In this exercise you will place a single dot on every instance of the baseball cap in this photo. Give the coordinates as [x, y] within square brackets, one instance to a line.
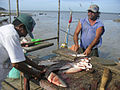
[29, 23]
[94, 8]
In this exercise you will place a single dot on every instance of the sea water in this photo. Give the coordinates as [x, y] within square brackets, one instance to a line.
[47, 26]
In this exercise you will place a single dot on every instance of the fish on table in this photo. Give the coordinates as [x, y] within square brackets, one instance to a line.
[47, 86]
[70, 67]
[47, 63]
[78, 55]
[55, 79]
[83, 64]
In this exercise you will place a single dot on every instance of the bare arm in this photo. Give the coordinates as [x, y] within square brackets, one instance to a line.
[23, 67]
[95, 41]
[76, 33]
[33, 64]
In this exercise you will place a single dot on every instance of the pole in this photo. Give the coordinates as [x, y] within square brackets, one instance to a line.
[58, 23]
[9, 12]
[17, 8]
[68, 29]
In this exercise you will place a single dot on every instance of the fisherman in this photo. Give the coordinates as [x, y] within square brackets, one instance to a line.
[91, 29]
[10, 47]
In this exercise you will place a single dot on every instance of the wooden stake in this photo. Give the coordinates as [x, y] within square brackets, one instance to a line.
[105, 78]
[58, 23]
[17, 8]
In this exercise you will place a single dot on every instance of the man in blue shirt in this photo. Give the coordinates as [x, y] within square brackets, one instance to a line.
[91, 29]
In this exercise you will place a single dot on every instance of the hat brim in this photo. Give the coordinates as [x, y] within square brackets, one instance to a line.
[92, 10]
[30, 33]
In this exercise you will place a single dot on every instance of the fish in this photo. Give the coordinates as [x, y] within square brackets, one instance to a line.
[72, 70]
[47, 86]
[78, 55]
[48, 63]
[84, 64]
[71, 67]
[55, 79]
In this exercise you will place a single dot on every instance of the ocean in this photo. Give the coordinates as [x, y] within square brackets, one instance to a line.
[46, 27]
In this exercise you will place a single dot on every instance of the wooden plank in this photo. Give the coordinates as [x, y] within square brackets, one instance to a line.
[15, 84]
[103, 61]
[65, 52]
[6, 85]
[32, 43]
[39, 46]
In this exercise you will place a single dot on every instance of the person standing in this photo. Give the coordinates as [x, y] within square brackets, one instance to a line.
[10, 47]
[91, 29]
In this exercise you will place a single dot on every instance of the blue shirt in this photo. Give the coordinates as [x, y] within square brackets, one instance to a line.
[88, 33]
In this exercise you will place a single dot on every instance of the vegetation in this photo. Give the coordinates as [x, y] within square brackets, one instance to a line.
[116, 20]
[2, 9]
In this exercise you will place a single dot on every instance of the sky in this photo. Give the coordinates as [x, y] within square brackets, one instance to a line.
[65, 5]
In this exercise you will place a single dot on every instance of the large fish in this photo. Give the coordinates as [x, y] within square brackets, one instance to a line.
[71, 67]
[84, 64]
[55, 79]
[47, 86]
[50, 75]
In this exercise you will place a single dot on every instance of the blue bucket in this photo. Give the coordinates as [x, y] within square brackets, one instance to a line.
[14, 73]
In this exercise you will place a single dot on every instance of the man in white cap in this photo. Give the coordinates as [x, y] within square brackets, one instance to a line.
[91, 29]
[10, 47]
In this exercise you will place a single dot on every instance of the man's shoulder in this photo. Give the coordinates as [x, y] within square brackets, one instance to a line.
[85, 18]
[7, 25]
[82, 20]
[6, 28]
[99, 22]
[8, 31]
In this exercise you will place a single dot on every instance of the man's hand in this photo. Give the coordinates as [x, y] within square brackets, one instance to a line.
[23, 42]
[74, 48]
[24, 45]
[40, 74]
[87, 51]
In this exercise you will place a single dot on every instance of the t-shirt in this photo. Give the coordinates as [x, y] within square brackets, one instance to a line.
[9, 47]
[88, 33]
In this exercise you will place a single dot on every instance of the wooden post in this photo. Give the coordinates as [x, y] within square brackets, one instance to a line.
[26, 84]
[58, 23]
[17, 8]
[9, 12]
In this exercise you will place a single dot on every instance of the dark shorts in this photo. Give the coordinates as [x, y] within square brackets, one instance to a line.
[94, 52]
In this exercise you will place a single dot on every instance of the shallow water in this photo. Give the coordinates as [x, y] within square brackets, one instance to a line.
[46, 27]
